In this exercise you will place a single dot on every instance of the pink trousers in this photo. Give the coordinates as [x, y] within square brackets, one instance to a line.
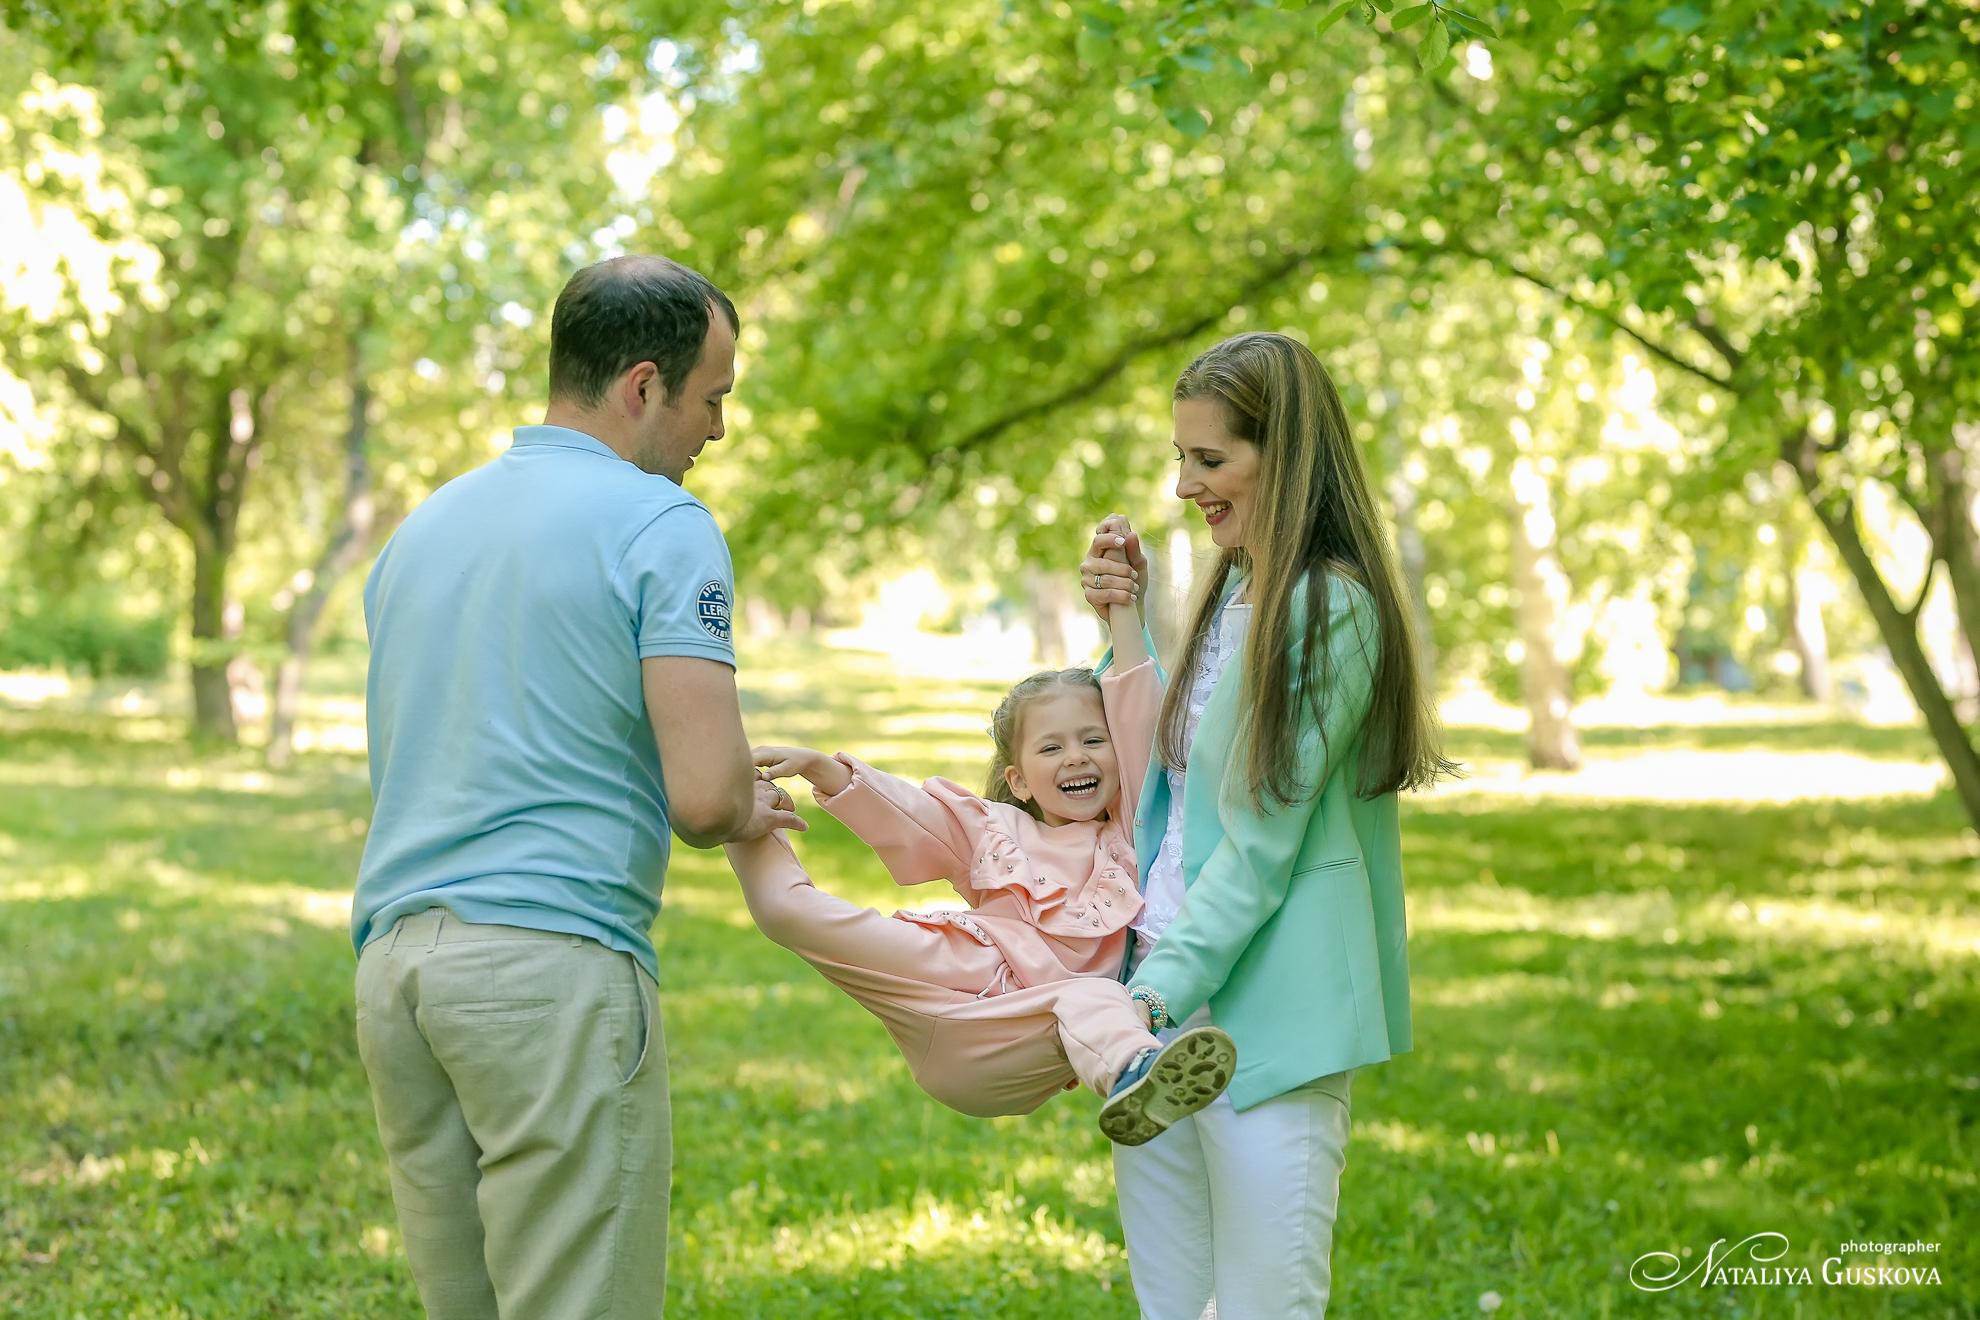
[983, 1055]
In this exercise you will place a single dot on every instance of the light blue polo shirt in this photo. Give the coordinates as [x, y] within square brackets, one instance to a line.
[514, 775]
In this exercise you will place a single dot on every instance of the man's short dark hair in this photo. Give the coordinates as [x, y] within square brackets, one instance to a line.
[616, 314]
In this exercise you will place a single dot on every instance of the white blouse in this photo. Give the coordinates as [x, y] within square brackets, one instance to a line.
[1162, 897]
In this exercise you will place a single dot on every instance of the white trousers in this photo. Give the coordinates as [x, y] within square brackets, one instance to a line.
[1231, 1214]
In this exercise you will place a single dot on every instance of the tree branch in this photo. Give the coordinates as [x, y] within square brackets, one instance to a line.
[1924, 588]
[1508, 266]
[1105, 373]
[1708, 330]
[86, 387]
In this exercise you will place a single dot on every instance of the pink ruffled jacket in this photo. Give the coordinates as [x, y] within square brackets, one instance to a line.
[1054, 900]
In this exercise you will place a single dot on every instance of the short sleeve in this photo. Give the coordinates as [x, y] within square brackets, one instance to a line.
[677, 582]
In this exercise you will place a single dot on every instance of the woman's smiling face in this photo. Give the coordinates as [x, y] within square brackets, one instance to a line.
[1218, 469]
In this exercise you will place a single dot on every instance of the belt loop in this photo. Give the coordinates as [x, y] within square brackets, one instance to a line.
[439, 923]
[576, 940]
[397, 926]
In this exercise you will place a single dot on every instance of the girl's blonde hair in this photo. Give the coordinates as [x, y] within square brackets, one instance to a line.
[1313, 514]
[1010, 714]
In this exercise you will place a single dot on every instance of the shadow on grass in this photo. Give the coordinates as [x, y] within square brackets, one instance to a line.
[1610, 1061]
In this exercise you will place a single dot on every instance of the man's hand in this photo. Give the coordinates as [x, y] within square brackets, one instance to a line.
[1115, 568]
[771, 809]
[825, 773]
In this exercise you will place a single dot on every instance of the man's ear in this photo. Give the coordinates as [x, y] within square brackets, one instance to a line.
[643, 389]
[1015, 782]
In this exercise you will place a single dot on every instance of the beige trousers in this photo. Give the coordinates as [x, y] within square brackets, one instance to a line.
[980, 1053]
[520, 1082]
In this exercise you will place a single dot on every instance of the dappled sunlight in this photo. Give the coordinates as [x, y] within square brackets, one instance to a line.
[708, 904]
[1838, 925]
[902, 726]
[1571, 952]
[1733, 776]
[1474, 909]
[925, 1232]
[1396, 1136]
[1655, 917]
[90, 1170]
[27, 688]
[1476, 991]
[1087, 1181]
[275, 902]
[752, 995]
[191, 776]
[810, 1086]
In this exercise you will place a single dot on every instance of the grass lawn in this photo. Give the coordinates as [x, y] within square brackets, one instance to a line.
[1641, 1024]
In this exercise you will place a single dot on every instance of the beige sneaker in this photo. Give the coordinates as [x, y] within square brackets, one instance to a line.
[1163, 1085]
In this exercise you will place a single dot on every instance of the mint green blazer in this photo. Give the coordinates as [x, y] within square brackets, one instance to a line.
[1292, 930]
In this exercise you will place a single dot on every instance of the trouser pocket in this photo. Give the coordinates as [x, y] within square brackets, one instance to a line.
[645, 1009]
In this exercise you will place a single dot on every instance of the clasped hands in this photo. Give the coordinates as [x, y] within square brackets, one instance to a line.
[1115, 569]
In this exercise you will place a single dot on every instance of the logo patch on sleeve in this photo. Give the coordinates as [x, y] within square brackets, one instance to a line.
[712, 610]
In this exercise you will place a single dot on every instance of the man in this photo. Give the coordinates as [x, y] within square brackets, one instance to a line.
[552, 689]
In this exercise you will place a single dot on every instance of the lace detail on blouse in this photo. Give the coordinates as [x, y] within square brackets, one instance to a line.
[1162, 898]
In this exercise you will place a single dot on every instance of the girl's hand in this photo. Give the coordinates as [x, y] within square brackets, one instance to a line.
[825, 773]
[1115, 568]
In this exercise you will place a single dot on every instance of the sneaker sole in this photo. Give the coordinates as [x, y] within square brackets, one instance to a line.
[1191, 1072]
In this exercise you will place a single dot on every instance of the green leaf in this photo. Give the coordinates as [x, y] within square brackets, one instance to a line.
[1384, 5]
[1682, 18]
[1435, 49]
[1188, 121]
[1334, 15]
[1410, 17]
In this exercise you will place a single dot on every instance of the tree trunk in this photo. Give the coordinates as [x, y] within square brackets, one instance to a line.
[212, 690]
[1808, 635]
[357, 522]
[1172, 573]
[1542, 589]
[1051, 608]
[1958, 526]
[1968, 704]
[1409, 547]
[1836, 512]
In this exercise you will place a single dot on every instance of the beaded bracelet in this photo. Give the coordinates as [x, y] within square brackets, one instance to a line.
[1158, 1008]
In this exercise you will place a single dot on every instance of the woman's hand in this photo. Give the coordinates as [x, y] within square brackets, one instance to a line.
[1115, 568]
[827, 774]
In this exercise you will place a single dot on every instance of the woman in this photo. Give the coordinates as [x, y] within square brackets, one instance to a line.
[1292, 719]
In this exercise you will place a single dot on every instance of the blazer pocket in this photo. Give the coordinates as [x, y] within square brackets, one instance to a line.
[1338, 863]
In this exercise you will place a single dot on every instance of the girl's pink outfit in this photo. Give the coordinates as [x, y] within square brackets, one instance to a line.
[998, 1007]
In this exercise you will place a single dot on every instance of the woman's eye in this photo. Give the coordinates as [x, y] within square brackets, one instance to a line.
[1213, 462]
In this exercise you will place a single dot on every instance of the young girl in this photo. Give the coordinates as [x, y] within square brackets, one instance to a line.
[1292, 719]
[999, 1007]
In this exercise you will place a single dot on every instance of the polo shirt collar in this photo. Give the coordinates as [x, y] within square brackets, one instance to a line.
[563, 437]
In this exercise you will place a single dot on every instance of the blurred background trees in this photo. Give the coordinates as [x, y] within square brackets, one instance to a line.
[1651, 315]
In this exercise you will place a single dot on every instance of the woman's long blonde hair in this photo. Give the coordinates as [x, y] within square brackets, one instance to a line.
[1313, 514]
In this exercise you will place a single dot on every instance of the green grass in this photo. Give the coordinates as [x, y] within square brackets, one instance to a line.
[1639, 1026]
